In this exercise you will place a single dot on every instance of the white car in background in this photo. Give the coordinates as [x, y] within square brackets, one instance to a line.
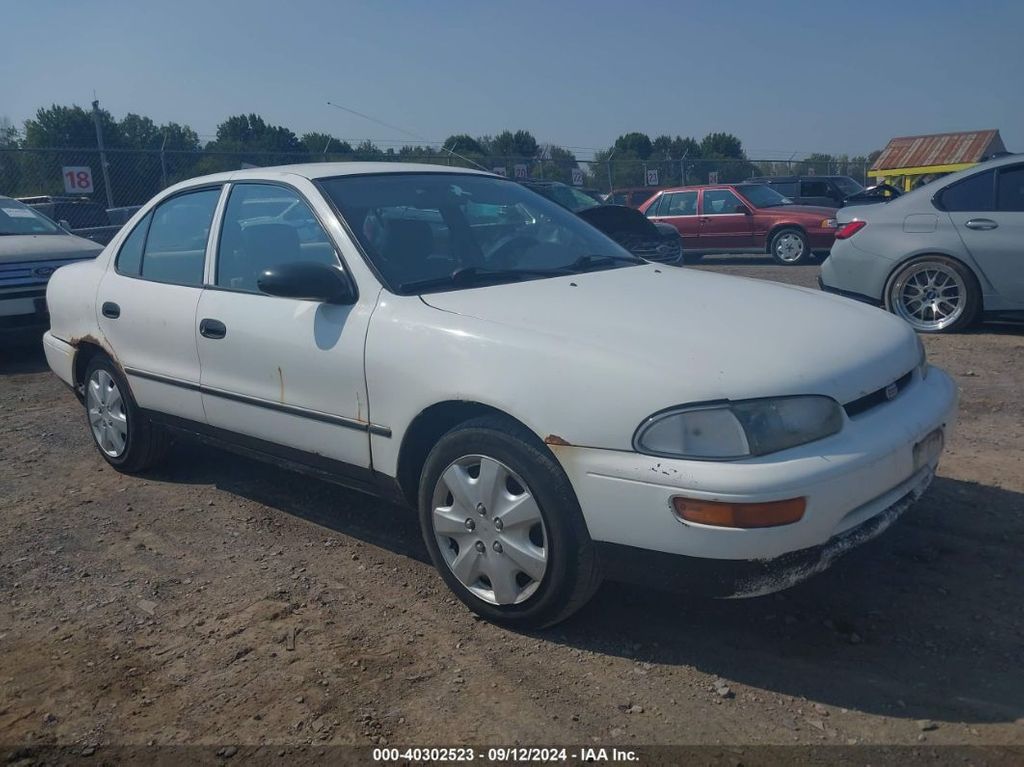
[556, 409]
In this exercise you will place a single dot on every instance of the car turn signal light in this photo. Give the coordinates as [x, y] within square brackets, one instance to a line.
[847, 231]
[739, 515]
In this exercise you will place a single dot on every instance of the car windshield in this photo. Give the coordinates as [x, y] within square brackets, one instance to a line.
[18, 218]
[847, 185]
[761, 196]
[445, 231]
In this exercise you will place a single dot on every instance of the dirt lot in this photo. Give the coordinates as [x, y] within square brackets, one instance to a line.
[224, 601]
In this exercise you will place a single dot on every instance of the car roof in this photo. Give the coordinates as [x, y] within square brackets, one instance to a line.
[317, 170]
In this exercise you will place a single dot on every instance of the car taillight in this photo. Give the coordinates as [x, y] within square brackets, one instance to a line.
[848, 230]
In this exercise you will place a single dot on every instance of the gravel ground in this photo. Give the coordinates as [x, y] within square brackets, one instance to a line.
[224, 601]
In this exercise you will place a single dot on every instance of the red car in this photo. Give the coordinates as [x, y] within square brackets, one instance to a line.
[743, 218]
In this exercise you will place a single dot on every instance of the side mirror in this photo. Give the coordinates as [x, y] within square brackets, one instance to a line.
[744, 210]
[308, 281]
[63, 224]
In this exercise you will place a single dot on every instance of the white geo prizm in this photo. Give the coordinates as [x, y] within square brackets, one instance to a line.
[557, 410]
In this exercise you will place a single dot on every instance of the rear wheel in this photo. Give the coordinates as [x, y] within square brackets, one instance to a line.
[121, 432]
[934, 294]
[503, 526]
[790, 247]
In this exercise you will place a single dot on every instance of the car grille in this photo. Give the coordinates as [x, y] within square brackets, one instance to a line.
[878, 397]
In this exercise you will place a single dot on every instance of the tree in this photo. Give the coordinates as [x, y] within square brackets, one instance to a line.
[464, 144]
[520, 145]
[638, 144]
[325, 146]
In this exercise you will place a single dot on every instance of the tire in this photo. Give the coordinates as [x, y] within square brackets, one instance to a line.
[789, 247]
[934, 294]
[554, 569]
[124, 436]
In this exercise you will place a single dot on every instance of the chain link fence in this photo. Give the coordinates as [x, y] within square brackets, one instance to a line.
[131, 177]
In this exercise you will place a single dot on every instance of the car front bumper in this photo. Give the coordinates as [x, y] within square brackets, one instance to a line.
[853, 481]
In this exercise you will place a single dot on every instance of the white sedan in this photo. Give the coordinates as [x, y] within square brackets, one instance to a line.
[556, 409]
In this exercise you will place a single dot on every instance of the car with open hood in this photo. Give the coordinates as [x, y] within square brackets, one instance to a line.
[556, 409]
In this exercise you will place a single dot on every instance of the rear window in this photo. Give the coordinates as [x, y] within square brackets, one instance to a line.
[81, 215]
[1011, 189]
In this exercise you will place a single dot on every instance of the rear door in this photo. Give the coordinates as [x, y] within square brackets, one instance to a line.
[680, 210]
[817, 192]
[725, 222]
[146, 304]
[988, 212]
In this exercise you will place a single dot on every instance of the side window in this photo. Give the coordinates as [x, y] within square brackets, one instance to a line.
[681, 204]
[976, 193]
[814, 189]
[719, 202]
[652, 210]
[265, 226]
[129, 258]
[786, 188]
[176, 244]
[1011, 189]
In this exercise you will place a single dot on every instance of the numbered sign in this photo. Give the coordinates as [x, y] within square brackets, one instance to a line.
[577, 177]
[652, 177]
[501, 170]
[521, 171]
[77, 179]
[713, 177]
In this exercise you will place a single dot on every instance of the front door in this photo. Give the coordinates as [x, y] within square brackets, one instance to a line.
[147, 303]
[725, 222]
[285, 371]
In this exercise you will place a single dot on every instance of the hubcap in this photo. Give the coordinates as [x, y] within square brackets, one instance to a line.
[930, 296]
[107, 415]
[489, 529]
[789, 247]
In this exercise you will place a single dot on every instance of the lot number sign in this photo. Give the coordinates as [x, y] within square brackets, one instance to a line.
[520, 171]
[713, 177]
[77, 179]
[652, 177]
[577, 177]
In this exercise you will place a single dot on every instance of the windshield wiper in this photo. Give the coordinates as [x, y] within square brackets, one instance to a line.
[473, 275]
[583, 263]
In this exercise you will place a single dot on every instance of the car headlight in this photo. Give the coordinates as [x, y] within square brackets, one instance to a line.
[731, 430]
[922, 359]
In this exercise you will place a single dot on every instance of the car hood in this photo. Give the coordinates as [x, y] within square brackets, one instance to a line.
[683, 335]
[618, 219]
[15, 248]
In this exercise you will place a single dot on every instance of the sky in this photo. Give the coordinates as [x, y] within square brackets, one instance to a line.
[786, 76]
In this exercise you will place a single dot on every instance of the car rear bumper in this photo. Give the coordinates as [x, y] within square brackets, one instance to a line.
[874, 462]
[60, 356]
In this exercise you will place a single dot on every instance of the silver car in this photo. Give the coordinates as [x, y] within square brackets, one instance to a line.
[942, 256]
[32, 247]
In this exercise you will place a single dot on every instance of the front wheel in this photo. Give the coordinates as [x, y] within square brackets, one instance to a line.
[934, 294]
[503, 526]
[790, 247]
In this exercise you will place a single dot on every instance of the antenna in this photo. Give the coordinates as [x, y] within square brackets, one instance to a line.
[426, 141]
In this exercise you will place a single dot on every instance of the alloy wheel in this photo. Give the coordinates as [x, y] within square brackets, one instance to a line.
[789, 247]
[930, 296]
[107, 416]
[490, 530]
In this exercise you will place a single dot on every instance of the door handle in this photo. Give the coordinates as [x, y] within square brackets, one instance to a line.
[110, 310]
[212, 329]
[981, 223]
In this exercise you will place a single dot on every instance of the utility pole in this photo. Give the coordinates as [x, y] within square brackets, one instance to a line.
[611, 184]
[163, 164]
[103, 154]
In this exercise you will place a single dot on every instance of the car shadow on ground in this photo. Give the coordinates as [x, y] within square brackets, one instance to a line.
[22, 357]
[923, 623]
